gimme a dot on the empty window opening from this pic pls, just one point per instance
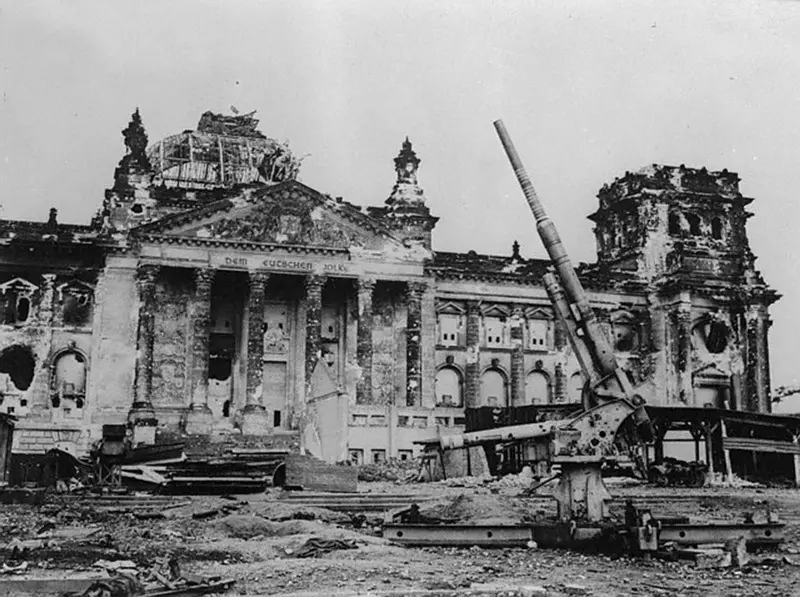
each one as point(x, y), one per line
point(76, 309)
point(575, 387)
point(226, 408)
point(68, 383)
point(18, 363)
point(716, 228)
point(378, 456)
point(276, 418)
point(357, 456)
point(674, 223)
point(405, 454)
point(625, 337)
point(716, 336)
point(448, 387)
point(694, 223)
point(23, 309)
point(537, 388)
point(493, 388)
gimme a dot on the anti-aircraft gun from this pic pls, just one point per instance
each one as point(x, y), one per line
point(582, 443)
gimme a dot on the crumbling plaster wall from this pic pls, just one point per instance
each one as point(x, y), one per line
point(114, 343)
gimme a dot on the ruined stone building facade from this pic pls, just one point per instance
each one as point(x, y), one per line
point(215, 294)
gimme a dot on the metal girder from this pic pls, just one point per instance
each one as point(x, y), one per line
point(544, 535)
point(458, 535)
point(569, 536)
point(696, 534)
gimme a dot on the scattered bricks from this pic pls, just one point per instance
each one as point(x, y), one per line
point(573, 589)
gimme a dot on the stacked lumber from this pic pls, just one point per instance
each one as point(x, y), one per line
point(236, 471)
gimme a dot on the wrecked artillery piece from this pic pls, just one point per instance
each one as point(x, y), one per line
point(614, 416)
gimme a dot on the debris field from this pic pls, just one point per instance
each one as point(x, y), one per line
point(296, 542)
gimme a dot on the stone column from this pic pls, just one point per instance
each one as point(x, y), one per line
point(314, 286)
point(517, 357)
point(472, 370)
point(364, 342)
point(199, 418)
point(255, 419)
point(414, 292)
point(142, 416)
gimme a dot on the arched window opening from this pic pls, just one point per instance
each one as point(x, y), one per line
point(448, 387)
point(575, 387)
point(716, 228)
point(625, 335)
point(713, 335)
point(68, 385)
point(674, 223)
point(537, 388)
point(694, 224)
point(493, 388)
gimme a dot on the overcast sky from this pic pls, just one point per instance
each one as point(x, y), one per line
point(587, 89)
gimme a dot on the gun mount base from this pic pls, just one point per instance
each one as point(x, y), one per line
point(581, 494)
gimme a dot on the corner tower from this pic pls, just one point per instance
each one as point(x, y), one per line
point(679, 233)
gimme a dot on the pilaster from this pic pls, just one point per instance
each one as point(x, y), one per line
point(517, 357)
point(472, 370)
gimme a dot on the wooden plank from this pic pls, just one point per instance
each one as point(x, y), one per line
point(751, 444)
point(315, 475)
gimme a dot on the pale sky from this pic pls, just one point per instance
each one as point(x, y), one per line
point(587, 89)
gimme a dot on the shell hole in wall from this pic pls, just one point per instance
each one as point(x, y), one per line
point(18, 363)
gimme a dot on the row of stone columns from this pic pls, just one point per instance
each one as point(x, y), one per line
point(255, 417)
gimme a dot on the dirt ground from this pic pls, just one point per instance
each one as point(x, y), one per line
point(257, 539)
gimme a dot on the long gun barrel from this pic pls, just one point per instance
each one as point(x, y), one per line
point(602, 354)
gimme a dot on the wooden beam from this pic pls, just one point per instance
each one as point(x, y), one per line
point(753, 444)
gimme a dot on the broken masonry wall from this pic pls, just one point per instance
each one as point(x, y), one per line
point(38, 354)
point(114, 341)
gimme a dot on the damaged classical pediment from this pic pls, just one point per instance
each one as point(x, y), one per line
point(286, 214)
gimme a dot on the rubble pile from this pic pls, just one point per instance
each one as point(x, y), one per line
point(478, 508)
point(399, 471)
